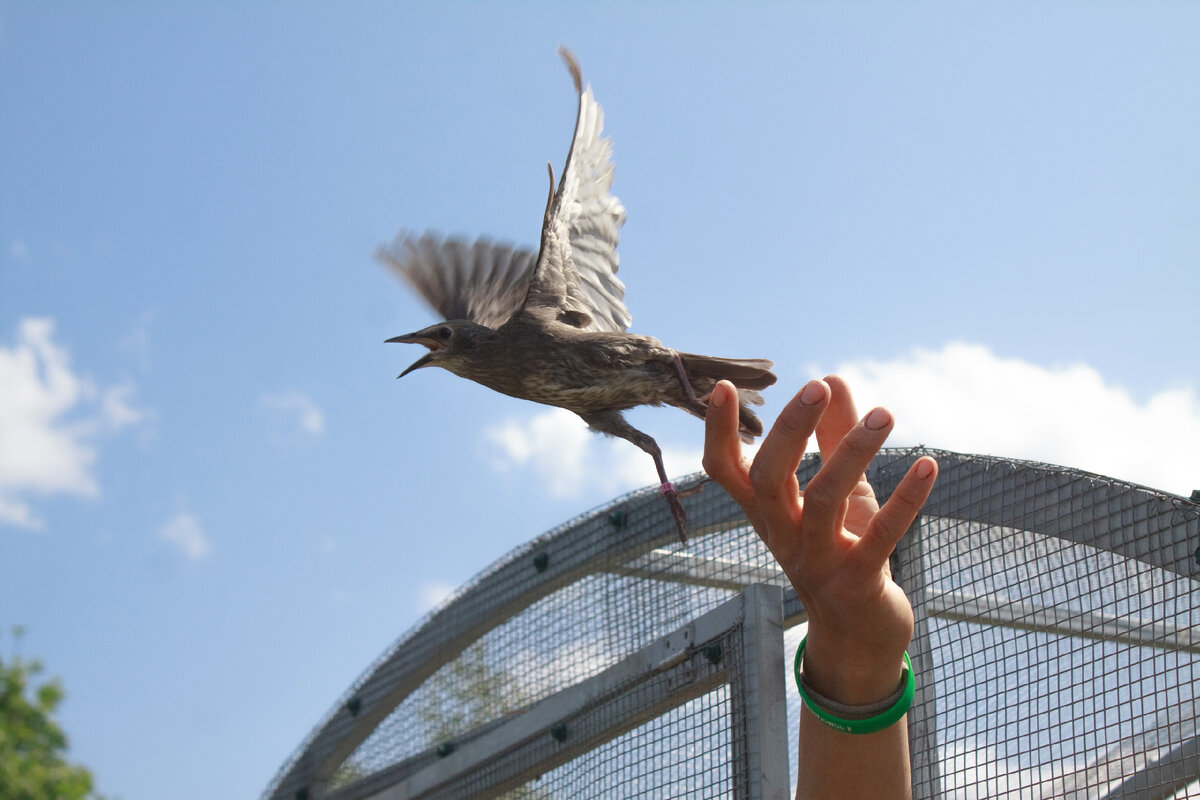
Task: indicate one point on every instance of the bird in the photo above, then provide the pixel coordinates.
(551, 326)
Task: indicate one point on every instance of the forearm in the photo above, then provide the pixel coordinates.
(833, 540)
(845, 765)
(834, 763)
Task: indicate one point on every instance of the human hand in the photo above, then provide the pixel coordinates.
(832, 538)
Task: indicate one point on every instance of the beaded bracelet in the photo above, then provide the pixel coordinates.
(867, 719)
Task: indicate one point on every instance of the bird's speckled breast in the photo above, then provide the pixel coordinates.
(581, 371)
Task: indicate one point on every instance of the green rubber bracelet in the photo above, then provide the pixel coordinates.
(878, 722)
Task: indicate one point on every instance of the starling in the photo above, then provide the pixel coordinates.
(551, 326)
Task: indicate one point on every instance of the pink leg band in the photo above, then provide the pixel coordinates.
(667, 488)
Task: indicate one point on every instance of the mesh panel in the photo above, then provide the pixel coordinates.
(1056, 650)
(558, 641)
(1061, 670)
(683, 753)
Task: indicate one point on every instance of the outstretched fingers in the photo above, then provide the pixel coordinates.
(839, 419)
(773, 473)
(826, 494)
(723, 459)
(767, 489)
(897, 514)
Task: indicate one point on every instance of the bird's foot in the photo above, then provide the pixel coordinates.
(677, 510)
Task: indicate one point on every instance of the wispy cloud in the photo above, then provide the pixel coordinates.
(966, 398)
(137, 341)
(297, 409)
(50, 418)
(568, 458)
(116, 410)
(15, 512)
(186, 534)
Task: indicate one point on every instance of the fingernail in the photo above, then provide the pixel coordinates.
(718, 396)
(812, 394)
(877, 419)
(924, 468)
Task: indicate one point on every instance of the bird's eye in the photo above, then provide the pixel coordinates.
(443, 333)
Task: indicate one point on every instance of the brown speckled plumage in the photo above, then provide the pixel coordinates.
(551, 327)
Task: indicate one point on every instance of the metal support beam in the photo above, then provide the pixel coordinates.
(908, 569)
(1025, 615)
(762, 699)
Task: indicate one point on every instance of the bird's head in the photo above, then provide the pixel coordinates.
(452, 344)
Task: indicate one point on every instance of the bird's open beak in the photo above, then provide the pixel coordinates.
(413, 338)
(420, 362)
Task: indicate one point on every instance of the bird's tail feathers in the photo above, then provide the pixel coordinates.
(749, 375)
(749, 425)
(744, 373)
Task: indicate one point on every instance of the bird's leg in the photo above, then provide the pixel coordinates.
(614, 424)
(698, 405)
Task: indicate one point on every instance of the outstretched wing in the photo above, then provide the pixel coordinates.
(575, 280)
(482, 281)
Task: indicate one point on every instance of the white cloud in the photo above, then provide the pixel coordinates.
(298, 408)
(187, 535)
(49, 419)
(966, 398)
(568, 458)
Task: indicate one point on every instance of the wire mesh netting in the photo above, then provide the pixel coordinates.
(684, 751)
(559, 640)
(1056, 654)
(1060, 669)
(681, 753)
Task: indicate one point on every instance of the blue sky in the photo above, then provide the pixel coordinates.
(217, 506)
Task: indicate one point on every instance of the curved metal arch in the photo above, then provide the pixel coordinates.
(1135, 522)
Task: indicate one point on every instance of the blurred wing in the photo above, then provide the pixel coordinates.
(482, 281)
(575, 279)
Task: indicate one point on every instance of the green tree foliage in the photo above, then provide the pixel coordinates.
(467, 692)
(32, 746)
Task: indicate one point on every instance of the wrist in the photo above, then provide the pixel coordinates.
(857, 718)
(855, 673)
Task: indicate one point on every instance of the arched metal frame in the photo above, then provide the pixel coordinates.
(1006, 525)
